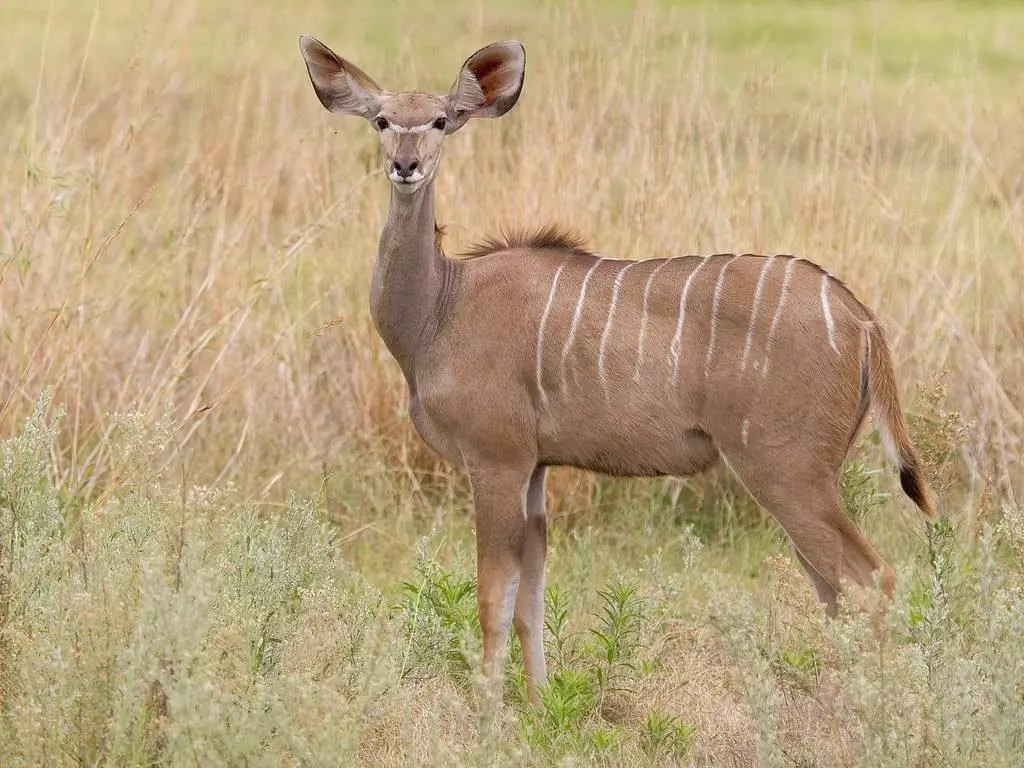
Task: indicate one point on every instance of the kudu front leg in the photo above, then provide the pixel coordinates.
(529, 611)
(499, 499)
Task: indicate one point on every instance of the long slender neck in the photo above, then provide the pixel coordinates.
(408, 275)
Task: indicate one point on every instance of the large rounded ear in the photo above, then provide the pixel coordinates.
(341, 86)
(488, 84)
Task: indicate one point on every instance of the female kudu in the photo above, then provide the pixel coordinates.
(533, 352)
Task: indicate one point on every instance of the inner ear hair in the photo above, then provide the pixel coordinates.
(340, 85)
(489, 83)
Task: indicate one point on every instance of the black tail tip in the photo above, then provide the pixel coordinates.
(913, 486)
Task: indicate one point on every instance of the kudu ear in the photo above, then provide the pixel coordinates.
(342, 87)
(488, 84)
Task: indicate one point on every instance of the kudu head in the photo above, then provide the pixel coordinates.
(412, 125)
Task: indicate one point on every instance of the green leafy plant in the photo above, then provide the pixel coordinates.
(859, 489)
(665, 736)
(617, 638)
(440, 622)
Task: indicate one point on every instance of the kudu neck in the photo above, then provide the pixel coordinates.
(407, 276)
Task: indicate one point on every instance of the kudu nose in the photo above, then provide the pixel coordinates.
(405, 167)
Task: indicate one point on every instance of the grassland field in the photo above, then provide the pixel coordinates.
(221, 542)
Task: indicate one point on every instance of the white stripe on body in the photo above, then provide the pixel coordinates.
(608, 323)
(787, 276)
(677, 339)
(827, 312)
(540, 331)
(753, 314)
(719, 284)
(576, 319)
(643, 320)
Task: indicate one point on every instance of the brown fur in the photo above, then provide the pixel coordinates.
(554, 356)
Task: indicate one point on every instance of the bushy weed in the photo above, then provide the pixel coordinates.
(169, 623)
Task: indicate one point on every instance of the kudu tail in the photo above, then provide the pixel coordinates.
(886, 403)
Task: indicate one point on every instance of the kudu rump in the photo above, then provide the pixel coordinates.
(533, 352)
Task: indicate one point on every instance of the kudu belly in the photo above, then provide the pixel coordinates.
(639, 438)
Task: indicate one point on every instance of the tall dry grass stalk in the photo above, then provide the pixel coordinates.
(184, 229)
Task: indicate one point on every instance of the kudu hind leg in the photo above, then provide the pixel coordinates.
(828, 544)
(826, 593)
(499, 497)
(529, 612)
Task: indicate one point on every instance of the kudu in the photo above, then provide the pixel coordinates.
(532, 352)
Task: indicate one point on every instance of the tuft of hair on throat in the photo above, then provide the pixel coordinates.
(550, 237)
(439, 232)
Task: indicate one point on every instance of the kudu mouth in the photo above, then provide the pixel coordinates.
(407, 183)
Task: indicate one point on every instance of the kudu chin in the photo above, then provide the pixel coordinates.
(532, 352)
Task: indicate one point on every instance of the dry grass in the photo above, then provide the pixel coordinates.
(185, 235)
(184, 226)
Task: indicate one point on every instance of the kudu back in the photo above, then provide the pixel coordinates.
(531, 351)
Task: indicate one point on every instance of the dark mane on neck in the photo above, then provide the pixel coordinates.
(551, 237)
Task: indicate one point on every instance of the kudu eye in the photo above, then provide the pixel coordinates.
(382, 123)
(441, 123)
